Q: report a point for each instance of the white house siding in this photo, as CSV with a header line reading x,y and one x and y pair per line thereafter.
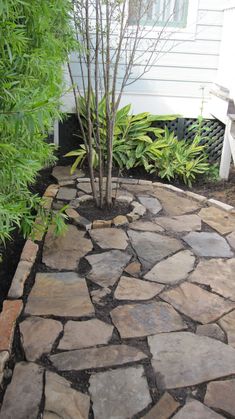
x,y
174,84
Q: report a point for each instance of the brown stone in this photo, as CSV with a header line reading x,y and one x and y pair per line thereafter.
x,y
60,294
4,356
133,268
47,203
181,223
64,173
231,239
195,409
137,320
219,220
136,289
29,252
38,335
103,357
228,324
83,334
138,189
120,220
174,204
164,408
10,312
212,331
220,395
101,224
99,294
110,238
196,303
64,252
23,270
146,226
51,191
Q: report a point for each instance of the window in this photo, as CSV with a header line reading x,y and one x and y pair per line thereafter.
x,y
171,13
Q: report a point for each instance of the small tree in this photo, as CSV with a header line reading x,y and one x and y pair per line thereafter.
x,y
111,33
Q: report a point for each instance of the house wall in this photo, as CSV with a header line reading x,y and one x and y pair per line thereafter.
x,y
189,62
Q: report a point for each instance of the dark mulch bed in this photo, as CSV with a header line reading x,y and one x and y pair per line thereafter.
x,y
91,212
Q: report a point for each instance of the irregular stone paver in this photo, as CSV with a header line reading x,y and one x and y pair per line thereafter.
x,y
164,408
64,252
219,274
120,393
84,334
4,356
208,244
85,187
196,303
220,395
64,173
105,356
212,331
181,223
231,239
59,294
152,247
133,268
62,400
110,238
98,295
136,289
123,196
24,393
196,410
30,251
150,203
120,220
21,274
228,324
136,320
219,220
173,269
107,267
10,311
38,336
138,189
183,359
174,204
66,194
146,226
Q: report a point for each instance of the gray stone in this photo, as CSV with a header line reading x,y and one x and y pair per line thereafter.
x,y
101,272
62,401
219,220
21,274
4,356
146,226
64,173
173,269
64,252
66,194
231,239
103,357
85,187
59,294
138,189
218,274
220,395
228,324
83,334
174,204
110,238
164,408
99,294
181,223
38,336
137,320
123,196
208,244
150,203
136,289
196,303
152,247
212,331
119,394
23,395
183,359
196,410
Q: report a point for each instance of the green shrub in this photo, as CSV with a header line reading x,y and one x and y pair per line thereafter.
x,y
35,37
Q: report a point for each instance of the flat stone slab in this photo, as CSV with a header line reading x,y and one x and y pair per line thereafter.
x,y
212,331
218,274
107,267
231,239
137,320
228,324
146,226
151,204
164,408
181,223
196,410
174,204
110,238
219,220
208,245
38,335
64,173
10,312
134,268
220,395
85,187
102,357
136,289
23,395
84,334
62,401
152,247
120,393
66,194
59,294
183,359
173,269
65,252
196,303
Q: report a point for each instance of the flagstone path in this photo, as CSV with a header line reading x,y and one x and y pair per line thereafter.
x,y
136,320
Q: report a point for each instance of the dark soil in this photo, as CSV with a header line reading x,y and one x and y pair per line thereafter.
x,y
91,212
